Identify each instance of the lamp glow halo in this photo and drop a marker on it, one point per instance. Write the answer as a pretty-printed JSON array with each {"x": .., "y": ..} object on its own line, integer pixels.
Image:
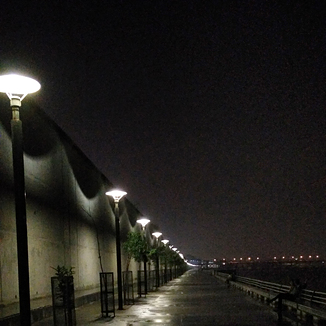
[{"x": 14, "y": 85}]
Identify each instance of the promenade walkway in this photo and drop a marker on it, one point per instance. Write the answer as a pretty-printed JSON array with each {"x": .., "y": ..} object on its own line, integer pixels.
[{"x": 196, "y": 298}]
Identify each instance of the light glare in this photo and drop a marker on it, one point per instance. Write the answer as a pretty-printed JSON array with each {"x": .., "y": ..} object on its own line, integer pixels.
[
  {"x": 116, "y": 194},
  {"x": 156, "y": 234},
  {"x": 143, "y": 221},
  {"x": 16, "y": 84}
]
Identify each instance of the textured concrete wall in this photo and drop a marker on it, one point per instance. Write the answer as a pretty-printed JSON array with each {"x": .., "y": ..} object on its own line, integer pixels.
[{"x": 70, "y": 219}]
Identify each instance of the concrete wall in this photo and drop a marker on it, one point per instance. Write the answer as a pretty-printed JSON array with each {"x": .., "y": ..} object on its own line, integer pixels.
[{"x": 70, "y": 219}]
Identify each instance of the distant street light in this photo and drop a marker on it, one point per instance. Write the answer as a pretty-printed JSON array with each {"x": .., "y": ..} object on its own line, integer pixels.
[
  {"x": 157, "y": 235},
  {"x": 117, "y": 195},
  {"x": 144, "y": 222},
  {"x": 165, "y": 242},
  {"x": 17, "y": 87}
]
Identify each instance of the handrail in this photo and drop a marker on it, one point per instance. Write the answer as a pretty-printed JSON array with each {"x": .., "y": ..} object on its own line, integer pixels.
[{"x": 308, "y": 296}]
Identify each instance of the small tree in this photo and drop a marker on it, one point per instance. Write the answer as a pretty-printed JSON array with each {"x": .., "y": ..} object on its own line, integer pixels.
[
  {"x": 135, "y": 247},
  {"x": 63, "y": 296},
  {"x": 155, "y": 253},
  {"x": 62, "y": 273}
]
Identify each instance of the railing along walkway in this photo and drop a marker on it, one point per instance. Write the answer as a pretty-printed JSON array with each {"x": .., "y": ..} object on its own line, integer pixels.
[{"x": 310, "y": 308}]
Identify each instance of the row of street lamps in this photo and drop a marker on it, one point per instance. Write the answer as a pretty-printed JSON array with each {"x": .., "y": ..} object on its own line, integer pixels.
[
  {"x": 17, "y": 88},
  {"x": 117, "y": 195}
]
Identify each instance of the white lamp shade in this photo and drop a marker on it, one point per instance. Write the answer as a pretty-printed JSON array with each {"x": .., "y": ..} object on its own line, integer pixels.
[
  {"x": 16, "y": 84},
  {"x": 156, "y": 234},
  {"x": 143, "y": 221},
  {"x": 116, "y": 194},
  {"x": 165, "y": 241}
]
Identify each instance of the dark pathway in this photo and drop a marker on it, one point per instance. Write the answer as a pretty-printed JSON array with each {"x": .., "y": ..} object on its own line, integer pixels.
[{"x": 196, "y": 298}]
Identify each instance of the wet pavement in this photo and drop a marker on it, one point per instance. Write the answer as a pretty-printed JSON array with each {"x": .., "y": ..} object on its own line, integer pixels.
[{"x": 196, "y": 298}]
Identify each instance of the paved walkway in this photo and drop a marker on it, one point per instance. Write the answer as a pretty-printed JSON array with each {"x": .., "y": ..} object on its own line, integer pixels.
[{"x": 196, "y": 298}]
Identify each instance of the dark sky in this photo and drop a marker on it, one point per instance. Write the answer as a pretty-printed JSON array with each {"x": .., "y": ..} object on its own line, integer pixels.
[{"x": 210, "y": 114}]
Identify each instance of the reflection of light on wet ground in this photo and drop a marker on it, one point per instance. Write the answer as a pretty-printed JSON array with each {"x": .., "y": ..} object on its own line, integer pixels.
[{"x": 198, "y": 300}]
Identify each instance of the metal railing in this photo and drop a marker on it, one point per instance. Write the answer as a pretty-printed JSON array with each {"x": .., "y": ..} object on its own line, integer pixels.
[
  {"x": 128, "y": 288},
  {"x": 308, "y": 296}
]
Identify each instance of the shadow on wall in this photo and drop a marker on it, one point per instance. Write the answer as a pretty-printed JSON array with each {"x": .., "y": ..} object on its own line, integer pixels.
[
  {"x": 45, "y": 179},
  {"x": 89, "y": 179}
]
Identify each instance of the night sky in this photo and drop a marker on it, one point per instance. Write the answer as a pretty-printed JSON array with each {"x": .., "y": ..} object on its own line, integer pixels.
[{"x": 210, "y": 114}]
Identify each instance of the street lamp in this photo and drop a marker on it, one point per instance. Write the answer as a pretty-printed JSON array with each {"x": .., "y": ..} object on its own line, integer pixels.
[
  {"x": 157, "y": 235},
  {"x": 165, "y": 242},
  {"x": 17, "y": 87},
  {"x": 144, "y": 222},
  {"x": 117, "y": 195}
]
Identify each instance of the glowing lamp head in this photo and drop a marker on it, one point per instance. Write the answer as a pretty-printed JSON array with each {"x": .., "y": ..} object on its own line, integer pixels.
[
  {"x": 14, "y": 85},
  {"x": 165, "y": 241},
  {"x": 156, "y": 234},
  {"x": 143, "y": 221},
  {"x": 116, "y": 194}
]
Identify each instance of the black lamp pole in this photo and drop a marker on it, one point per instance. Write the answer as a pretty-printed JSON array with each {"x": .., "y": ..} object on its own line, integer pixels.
[
  {"x": 17, "y": 87},
  {"x": 118, "y": 249},
  {"x": 20, "y": 207},
  {"x": 117, "y": 195}
]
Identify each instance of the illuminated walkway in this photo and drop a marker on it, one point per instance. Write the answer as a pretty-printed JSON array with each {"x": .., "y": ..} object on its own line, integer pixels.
[{"x": 196, "y": 298}]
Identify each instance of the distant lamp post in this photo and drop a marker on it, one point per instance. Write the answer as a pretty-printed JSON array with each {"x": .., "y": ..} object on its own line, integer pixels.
[
  {"x": 117, "y": 195},
  {"x": 17, "y": 87},
  {"x": 144, "y": 221},
  {"x": 157, "y": 235},
  {"x": 165, "y": 242}
]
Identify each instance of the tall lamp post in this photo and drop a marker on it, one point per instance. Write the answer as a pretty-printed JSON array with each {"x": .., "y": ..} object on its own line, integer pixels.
[
  {"x": 144, "y": 222},
  {"x": 117, "y": 195},
  {"x": 157, "y": 235},
  {"x": 17, "y": 87},
  {"x": 165, "y": 242}
]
